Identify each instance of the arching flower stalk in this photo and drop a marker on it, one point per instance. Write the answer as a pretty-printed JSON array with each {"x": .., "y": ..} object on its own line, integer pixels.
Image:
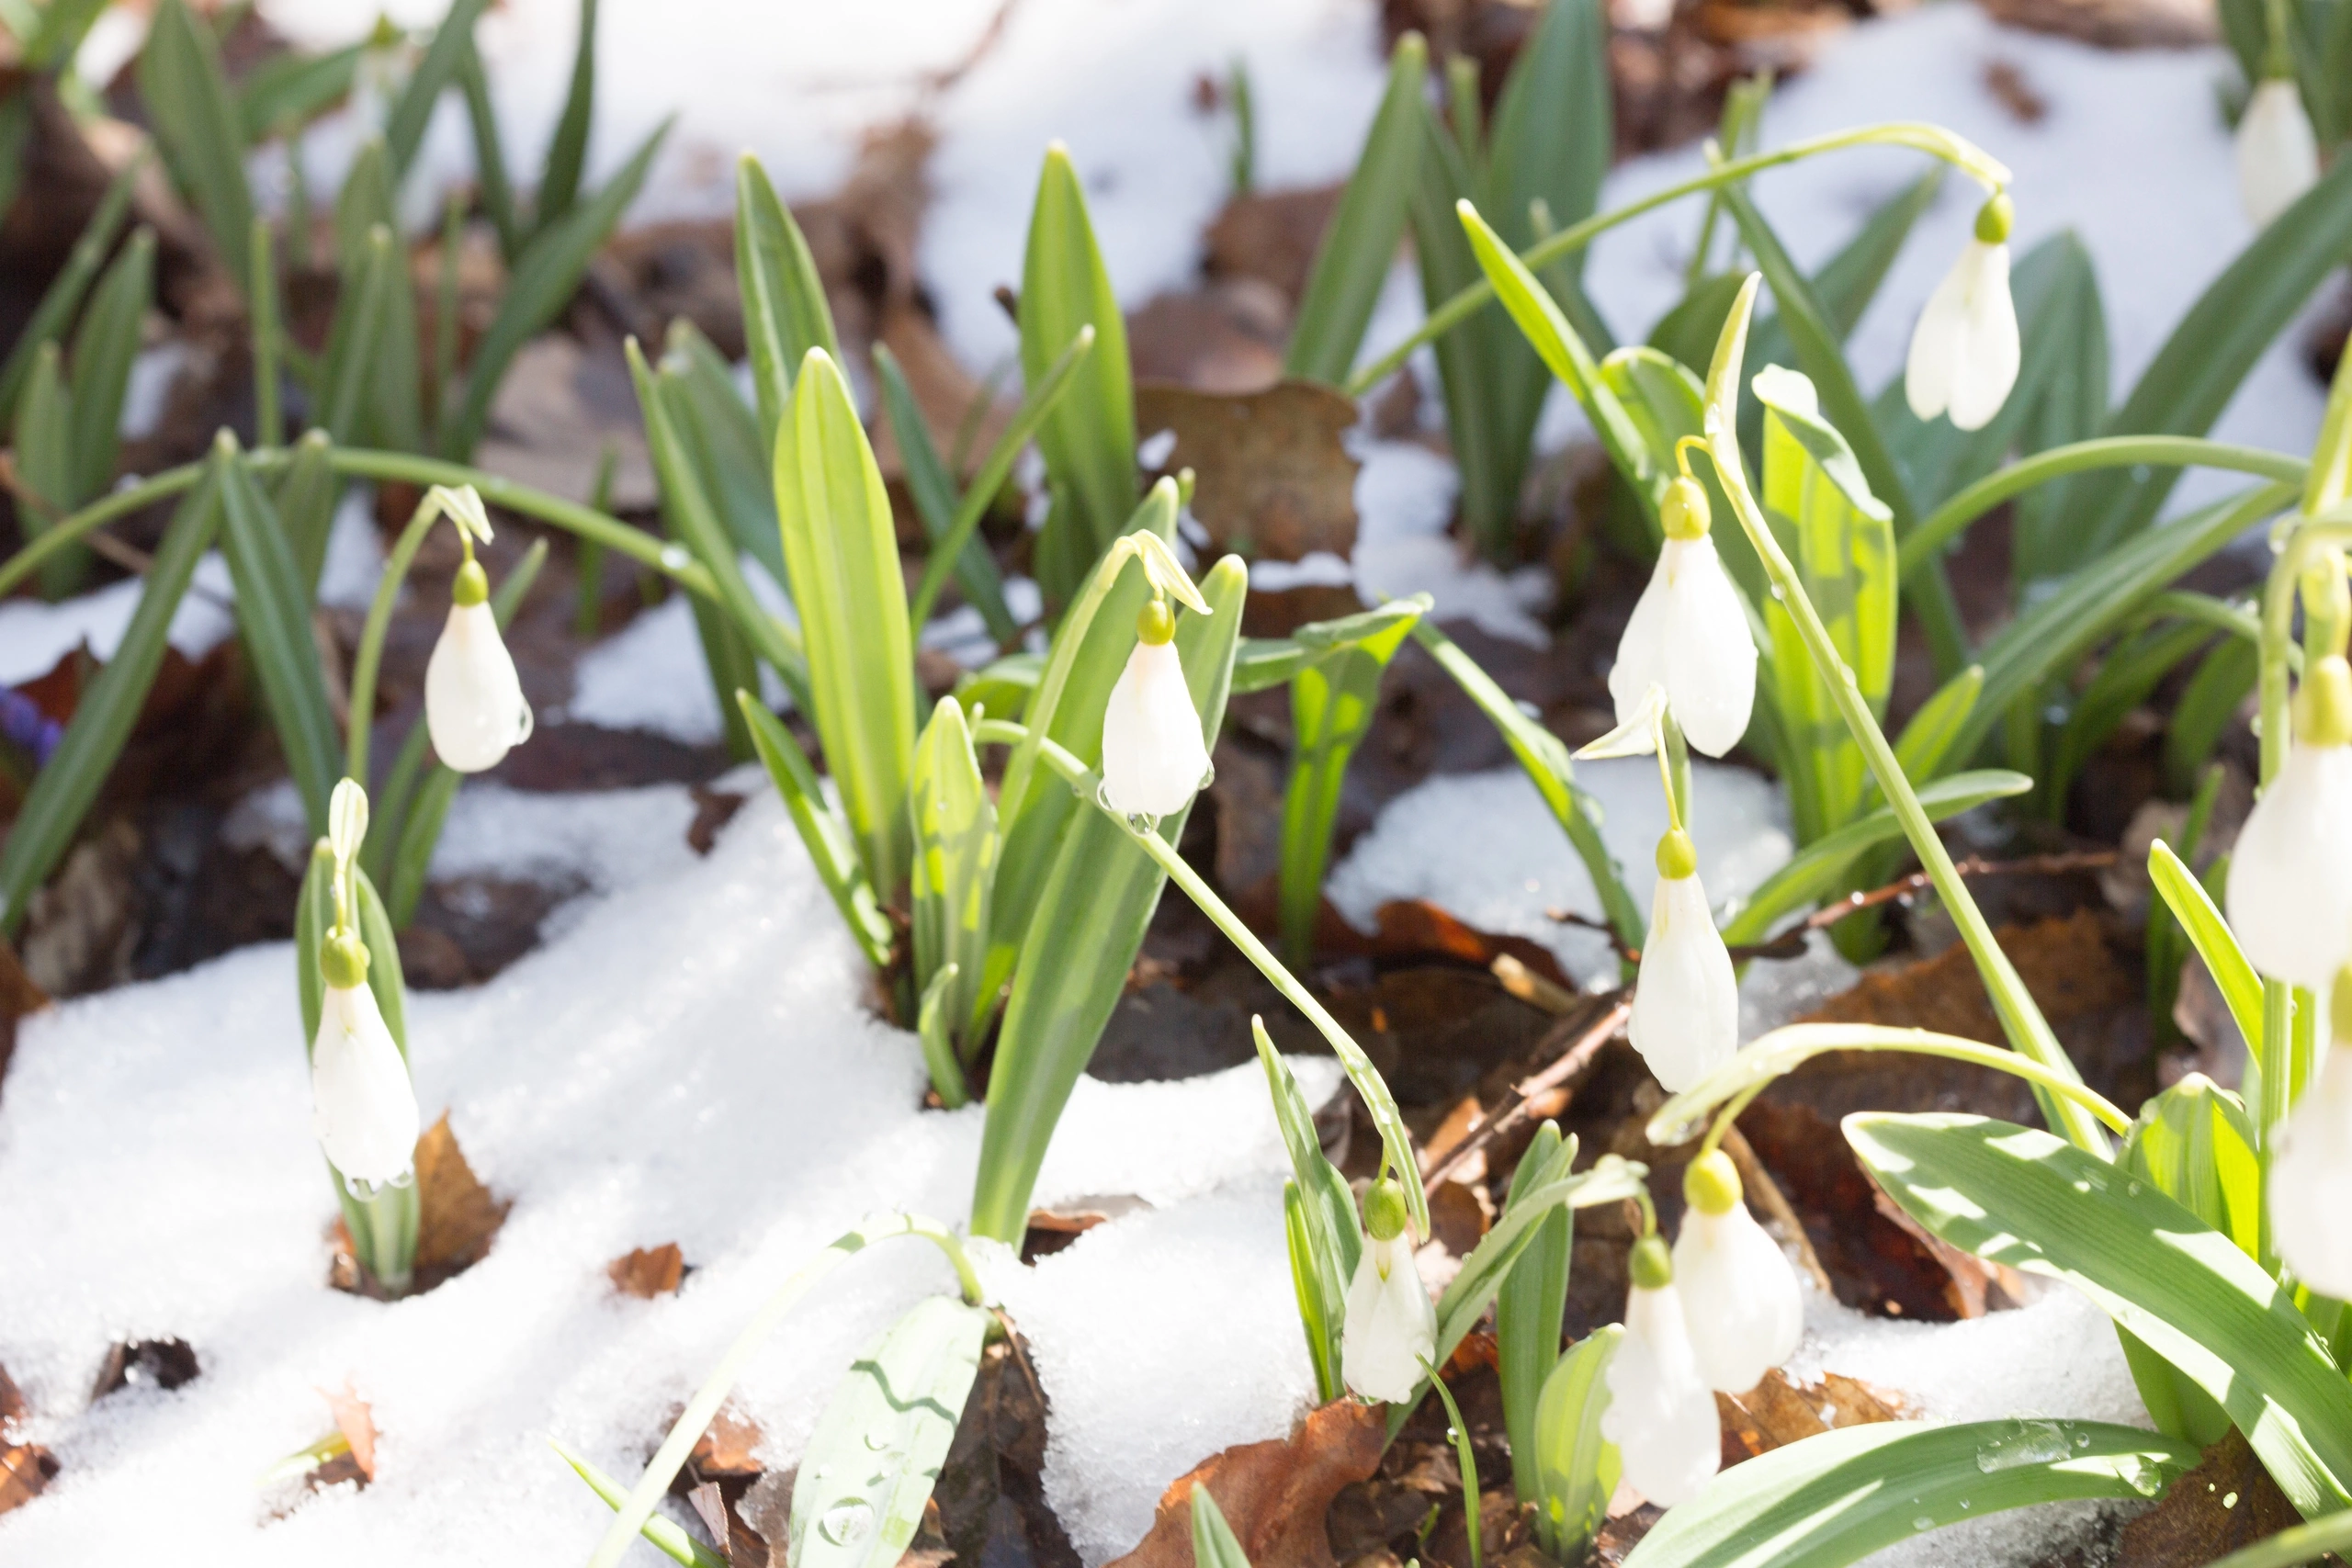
[
  {"x": 1739, "y": 1295},
  {"x": 1390, "y": 1329},
  {"x": 363, "y": 1107},
  {"x": 474, "y": 706},
  {"x": 1965, "y": 351},
  {"x": 1688, "y": 635},
  {"x": 1661, "y": 1413}
]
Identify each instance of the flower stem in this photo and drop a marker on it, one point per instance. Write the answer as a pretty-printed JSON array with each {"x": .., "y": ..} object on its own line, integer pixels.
[
  {"x": 371, "y": 655},
  {"x": 2021, "y": 1019},
  {"x": 1930, "y": 138}
]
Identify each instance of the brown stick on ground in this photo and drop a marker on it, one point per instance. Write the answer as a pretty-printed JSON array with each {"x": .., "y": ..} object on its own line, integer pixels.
[{"x": 1584, "y": 1043}]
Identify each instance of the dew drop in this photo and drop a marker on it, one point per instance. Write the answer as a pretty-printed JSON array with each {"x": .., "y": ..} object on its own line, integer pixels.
[
  {"x": 877, "y": 1442},
  {"x": 1964, "y": 1504},
  {"x": 2083, "y": 1441},
  {"x": 1924, "y": 1522},
  {"x": 846, "y": 1524},
  {"x": 2230, "y": 1500},
  {"x": 2132, "y": 1190},
  {"x": 2025, "y": 1442},
  {"x": 674, "y": 557}
]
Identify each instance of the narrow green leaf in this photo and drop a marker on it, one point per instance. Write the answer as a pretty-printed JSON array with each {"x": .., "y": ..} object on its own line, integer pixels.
[
  {"x": 63, "y": 25},
  {"x": 822, "y": 828},
  {"x": 2025, "y": 1199},
  {"x": 2129, "y": 674},
  {"x": 104, "y": 347},
  {"x": 1326, "y": 1239},
  {"x": 665, "y": 1535},
  {"x": 1927, "y": 741},
  {"x": 1837, "y": 1497},
  {"x": 1087, "y": 925},
  {"x": 496, "y": 186},
  {"x": 63, "y": 296},
  {"x": 934, "y": 1023},
  {"x": 362, "y": 206},
  {"x": 274, "y": 619},
  {"x": 721, "y": 433},
  {"x": 840, "y": 545},
  {"x": 1320, "y": 1311},
  {"x": 1213, "y": 1545},
  {"x": 568, "y": 150},
  {"x": 308, "y": 493},
  {"x": 785, "y": 310},
  {"x": 2196, "y": 1141},
  {"x": 1529, "y": 1310},
  {"x": 937, "y": 502},
  {"x": 954, "y": 827},
  {"x": 64, "y": 789},
  {"x": 197, "y": 126},
  {"x": 293, "y": 89},
  {"x": 452, "y": 42},
  {"x": 1577, "y": 1468},
  {"x": 1352, "y": 261},
  {"x": 544, "y": 278},
  {"x": 1088, "y": 437},
  {"x": 2240, "y": 986},
  {"x": 2206, "y": 709},
  {"x": 43, "y": 440},
  {"x": 878, "y": 1446},
  {"x": 1002, "y": 687}
]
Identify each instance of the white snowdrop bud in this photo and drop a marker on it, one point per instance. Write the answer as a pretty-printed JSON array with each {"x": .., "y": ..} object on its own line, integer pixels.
[
  {"x": 1661, "y": 1415},
  {"x": 473, "y": 699},
  {"x": 1390, "y": 1327},
  {"x": 363, "y": 1107},
  {"x": 1686, "y": 999},
  {"x": 2290, "y": 888},
  {"x": 1965, "y": 351},
  {"x": 2276, "y": 151},
  {"x": 1738, "y": 1291},
  {"x": 2312, "y": 1170},
  {"x": 1153, "y": 758},
  {"x": 1688, "y": 635}
]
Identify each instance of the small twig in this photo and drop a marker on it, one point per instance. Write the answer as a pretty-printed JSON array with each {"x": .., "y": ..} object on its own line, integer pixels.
[
  {"x": 1775, "y": 1203},
  {"x": 1532, "y": 989},
  {"x": 1582, "y": 1046},
  {"x": 1791, "y": 942}
]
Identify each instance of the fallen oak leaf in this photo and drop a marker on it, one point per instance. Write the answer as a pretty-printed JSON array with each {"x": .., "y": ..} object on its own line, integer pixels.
[
  {"x": 1274, "y": 1494},
  {"x": 357, "y": 1422},
  {"x": 457, "y": 1217},
  {"x": 648, "y": 1272},
  {"x": 1274, "y": 481}
]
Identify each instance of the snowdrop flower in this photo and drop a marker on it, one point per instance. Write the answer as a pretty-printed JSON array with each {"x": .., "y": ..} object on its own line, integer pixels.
[
  {"x": 363, "y": 1107},
  {"x": 1390, "y": 1327},
  {"x": 2313, "y": 1168},
  {"x": 1686, "y": 999},
  {"x": 1738, "y": 1291},
  {"x": 1688, "y": 635},
  {"x": 1660, "y": 1415},
  {"x": 2289, "y": 889},
  {"x": 1153, "y": 758},
  {"x": 1964, "y": 350},
  {"x": 2278, "y": 154},
  {"x": 473, "y": 699}
]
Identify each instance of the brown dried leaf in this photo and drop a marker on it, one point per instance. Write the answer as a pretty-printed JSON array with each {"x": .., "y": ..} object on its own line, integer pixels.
[
  {"x": 1227, "y": 339},
  {"x": 726, "y": 1449},
  {"x": 357, "y": 1422},
  {"x": 25, "y": 1468},
  {"x": 1776, "y": 1412},
  {"x": 648, "y": 1272},
  {"x": 458, "y": 1216},
  {"x": 1274, "y": 480},
  {"x": 1271, "y": 236},
  {"x": 2226, "y": 1503},
  {"x": 1274, "y": 1494}
]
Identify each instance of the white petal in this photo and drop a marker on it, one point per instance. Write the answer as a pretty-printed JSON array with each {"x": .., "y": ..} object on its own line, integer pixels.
[
  {"x": 1686, "y": 999},
  {"x": 363, "y": 1107},
  {"x": 2310, "y": 1177},
  {"x": 1710, "y": 652},
  {"x": 1390, "y": 1327},
  {"x": 1989, "y": 352},
  {"x": 2278, "y": 154},
  {"x": 1152, "y": 755},
  {"x": 1934, "y": 359},
  {"x": 2289, "y": 889},
  {"x": 1740, "y": 1296},
  {"x": 1641, "y": 652},
  {"x": 473, "y": 700},
  {"x": 1660, "y": 1415}
]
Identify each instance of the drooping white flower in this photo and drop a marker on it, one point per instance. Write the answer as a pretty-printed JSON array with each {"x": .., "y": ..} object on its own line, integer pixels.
[
  {"x": 2289, "y": 889},
  {"x": 1739, "y": 1293},
  {"x": 1965, "y": 351},
  {"x": 1685, "y": 1020},
  {"x": 2312, "y": 1170},
  {"x": 363, "y": 1107},
  {"x": 2278, "y": 154},
  {"x": 473, "y": 699},
  {"x": 1688, "y": 635},
  {"x": 1153, "y": 757},
  {"x": 1661, "y": 1415},
  {"x": 1390, "y": 1327}
]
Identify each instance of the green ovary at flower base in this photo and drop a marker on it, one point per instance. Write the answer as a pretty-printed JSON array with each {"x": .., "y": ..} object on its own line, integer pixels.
[{"x": 363, "y": 1107}]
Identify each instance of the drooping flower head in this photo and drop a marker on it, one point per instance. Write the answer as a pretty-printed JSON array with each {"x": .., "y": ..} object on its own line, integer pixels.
[
  {"x": 1661, "y": 1413},
  {"x": 1154, "y": 758},
  {"x": 474, "y": 707},
  {"x": 1390, "y": 1329},
  {"x": 2312, "y": 1170},
  {"x": 1739, "y": 1294},
  {"x": 1965, "y": 351},
  {"x": 1688, "y": 635},
  {"x": 2290, "y": 888},
  {"x": 2278, "y": 152},
  {"x": 1685, "y": 1019}
]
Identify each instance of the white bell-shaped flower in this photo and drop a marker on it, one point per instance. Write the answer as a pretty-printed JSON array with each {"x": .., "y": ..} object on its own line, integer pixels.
[
  {"x": 1661, "y": 1413},
  {"x": 1739, "y": 1293},
  {"x": 1688, "y": 635},
  {"x": 2312, "y": 1170},
  {"x": 2289, "y": 889},
  {"x": 1153, "y": 757},
  {"x": 1685, "y": 1019},
  {"x": 473, "y": 700},
  {"x": 1965, "y": 351},
  {"x": 1390, "y": 1327},
  {"x": 2276, "y": 151},
  {"x": 363, "y": 1107}
]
